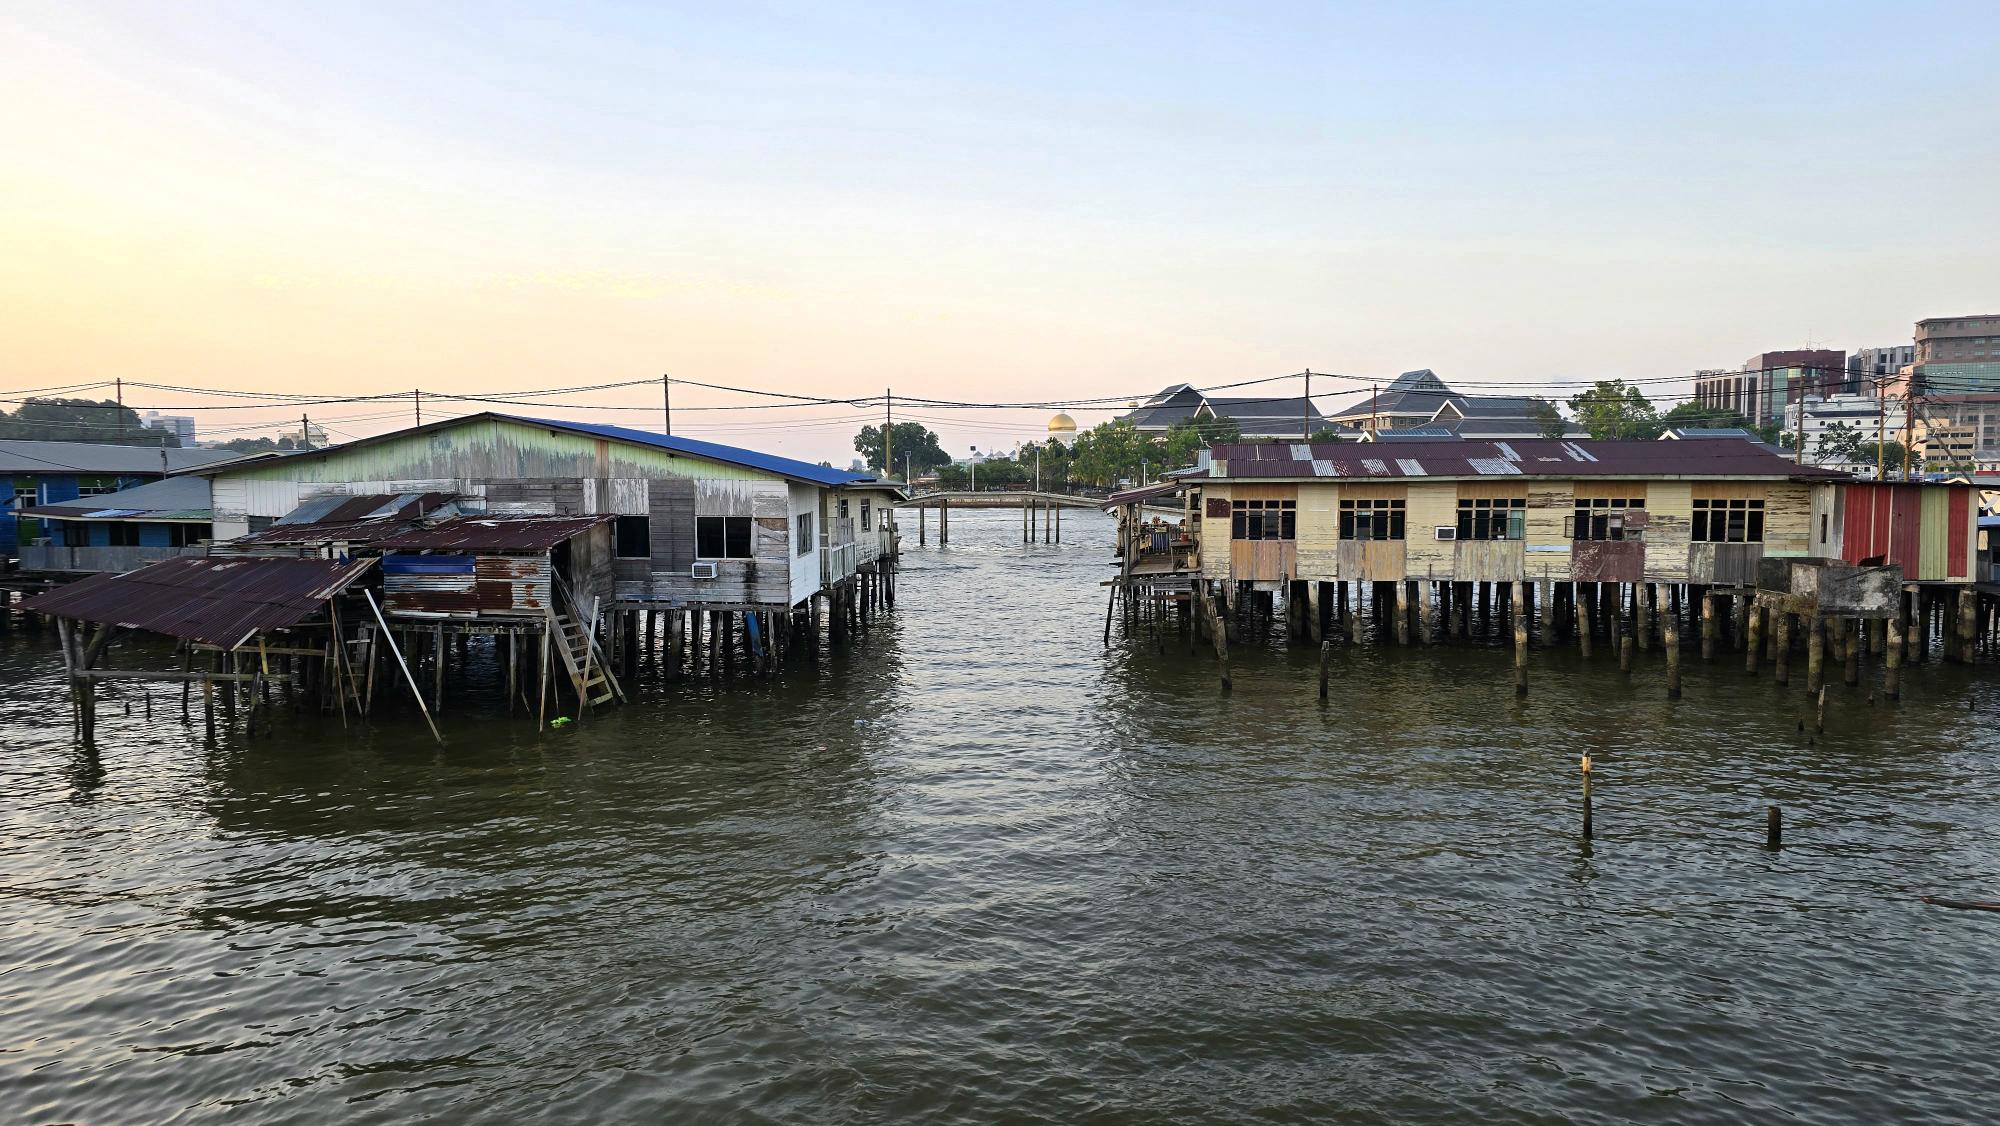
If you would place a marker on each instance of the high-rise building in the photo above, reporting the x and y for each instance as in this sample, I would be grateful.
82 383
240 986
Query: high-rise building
181 425
1957 355
1874 368
1769 384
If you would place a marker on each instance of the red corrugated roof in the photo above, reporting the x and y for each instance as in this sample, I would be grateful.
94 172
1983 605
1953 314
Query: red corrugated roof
217 601
1527 457
492 533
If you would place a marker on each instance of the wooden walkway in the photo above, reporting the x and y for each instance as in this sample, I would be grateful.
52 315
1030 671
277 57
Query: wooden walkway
999 499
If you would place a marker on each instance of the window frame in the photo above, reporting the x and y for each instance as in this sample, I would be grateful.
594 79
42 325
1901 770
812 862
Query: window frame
802 530
1592 517
1478 517
1388 516
1749 528
621 531
723 534
1269 519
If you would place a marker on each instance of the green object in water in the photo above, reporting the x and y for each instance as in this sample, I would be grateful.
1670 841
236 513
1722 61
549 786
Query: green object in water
561 721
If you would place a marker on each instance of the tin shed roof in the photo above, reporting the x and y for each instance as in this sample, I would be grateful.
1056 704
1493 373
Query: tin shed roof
169 499
1528 457
220 602
493 533
29 457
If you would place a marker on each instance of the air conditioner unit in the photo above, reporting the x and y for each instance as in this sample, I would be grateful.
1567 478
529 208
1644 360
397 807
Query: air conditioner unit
1447 532
702 571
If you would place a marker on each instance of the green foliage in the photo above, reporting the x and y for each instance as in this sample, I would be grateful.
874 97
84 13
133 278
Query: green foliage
1549 419
1326 434
81 420
1850 445
1111 451
1613 408
911 439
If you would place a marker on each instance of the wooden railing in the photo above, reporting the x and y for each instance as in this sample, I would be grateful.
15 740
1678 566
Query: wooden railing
92 560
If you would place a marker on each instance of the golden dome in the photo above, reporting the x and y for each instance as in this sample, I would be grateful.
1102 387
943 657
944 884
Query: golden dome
1062 424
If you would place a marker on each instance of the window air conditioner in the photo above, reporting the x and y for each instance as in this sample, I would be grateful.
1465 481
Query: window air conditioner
703 571
1447 531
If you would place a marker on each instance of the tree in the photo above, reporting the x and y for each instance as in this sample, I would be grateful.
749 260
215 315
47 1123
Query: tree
1615 409
1112 451
81 420
1326 435
1549 419
1841 444
911 439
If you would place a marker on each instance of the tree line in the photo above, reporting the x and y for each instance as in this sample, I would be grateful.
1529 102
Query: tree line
81 420
1103 456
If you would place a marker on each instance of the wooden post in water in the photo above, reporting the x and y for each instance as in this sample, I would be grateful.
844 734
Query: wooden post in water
921 524
1968 625
1584 768
1753 637
1221 631
1707 625
1584 625
1645 598
1892 657
1774 828
1781 648
1815 652
1741 604
1670 636
944 521
1520 638
1402 612
1424 611
1852 638
1325 653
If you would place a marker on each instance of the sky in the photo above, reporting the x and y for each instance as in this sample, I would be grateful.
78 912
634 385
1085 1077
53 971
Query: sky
1016 202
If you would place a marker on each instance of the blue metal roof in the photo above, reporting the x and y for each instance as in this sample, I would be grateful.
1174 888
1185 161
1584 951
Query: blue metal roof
736 455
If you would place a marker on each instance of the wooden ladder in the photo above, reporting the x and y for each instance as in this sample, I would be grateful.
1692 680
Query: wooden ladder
589 673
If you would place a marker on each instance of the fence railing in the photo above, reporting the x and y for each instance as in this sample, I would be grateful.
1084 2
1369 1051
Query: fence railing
91 560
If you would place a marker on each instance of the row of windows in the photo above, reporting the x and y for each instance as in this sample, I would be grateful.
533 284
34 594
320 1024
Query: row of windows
1605 519
1263 519
727 537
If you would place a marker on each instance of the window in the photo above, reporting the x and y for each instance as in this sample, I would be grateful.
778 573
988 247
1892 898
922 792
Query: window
26 496
1731 521
1499 518
1263 519
634 538
804 534
1603 518
95 490
124 535
722 537
1370 519
843 508
187 535
866 525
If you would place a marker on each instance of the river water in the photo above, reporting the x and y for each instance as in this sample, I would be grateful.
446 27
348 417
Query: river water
983 868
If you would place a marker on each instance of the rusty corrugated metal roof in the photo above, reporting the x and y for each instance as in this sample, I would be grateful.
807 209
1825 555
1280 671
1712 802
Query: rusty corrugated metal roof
217 601
493 533
1527 457
1148 492
357 519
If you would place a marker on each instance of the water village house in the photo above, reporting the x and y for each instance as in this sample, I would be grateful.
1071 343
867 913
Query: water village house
46 473
1589 532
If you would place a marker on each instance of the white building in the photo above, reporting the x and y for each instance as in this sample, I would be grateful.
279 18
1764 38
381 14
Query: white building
1862 412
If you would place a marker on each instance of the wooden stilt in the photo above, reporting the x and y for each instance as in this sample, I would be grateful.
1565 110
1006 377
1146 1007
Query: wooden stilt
1520 638
1670 638
1753 637
1815 653
1584 625
1892 657
1781 648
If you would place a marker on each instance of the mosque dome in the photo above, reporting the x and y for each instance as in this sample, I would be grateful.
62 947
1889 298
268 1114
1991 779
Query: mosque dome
1062 424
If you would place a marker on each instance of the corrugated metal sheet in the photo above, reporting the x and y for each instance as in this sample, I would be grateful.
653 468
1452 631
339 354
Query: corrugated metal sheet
466 585
216 601
1545 457
490 533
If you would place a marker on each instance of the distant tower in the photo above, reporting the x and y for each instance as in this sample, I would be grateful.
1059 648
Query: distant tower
1063 428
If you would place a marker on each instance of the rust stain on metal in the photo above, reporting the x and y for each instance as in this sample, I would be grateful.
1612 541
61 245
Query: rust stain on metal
220 602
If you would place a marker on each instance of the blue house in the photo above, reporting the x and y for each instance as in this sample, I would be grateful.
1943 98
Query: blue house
41 473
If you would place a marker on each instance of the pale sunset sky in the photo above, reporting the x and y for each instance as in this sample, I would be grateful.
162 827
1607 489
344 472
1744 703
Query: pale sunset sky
1012 202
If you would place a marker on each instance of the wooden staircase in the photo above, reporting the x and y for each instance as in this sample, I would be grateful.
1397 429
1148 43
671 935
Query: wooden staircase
576 644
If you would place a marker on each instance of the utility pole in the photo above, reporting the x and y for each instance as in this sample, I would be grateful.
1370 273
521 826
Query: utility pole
1909 425
1881 424
667 406
1374 397
888 432
305 433
417 396
1799 442
1306 414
